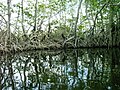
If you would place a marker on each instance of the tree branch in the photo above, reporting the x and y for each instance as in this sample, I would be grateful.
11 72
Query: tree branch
98 13
4 19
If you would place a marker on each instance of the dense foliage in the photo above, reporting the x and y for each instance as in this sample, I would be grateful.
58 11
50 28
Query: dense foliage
59 23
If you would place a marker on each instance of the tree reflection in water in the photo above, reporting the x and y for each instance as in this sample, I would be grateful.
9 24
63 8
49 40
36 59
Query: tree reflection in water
83 69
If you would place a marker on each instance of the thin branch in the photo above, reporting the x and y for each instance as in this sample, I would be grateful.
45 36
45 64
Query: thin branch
98 13
4 19
67 40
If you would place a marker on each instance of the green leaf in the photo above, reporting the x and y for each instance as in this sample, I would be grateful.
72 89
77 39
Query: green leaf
81 27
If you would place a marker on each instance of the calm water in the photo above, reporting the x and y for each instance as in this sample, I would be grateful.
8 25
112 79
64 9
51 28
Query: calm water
83 69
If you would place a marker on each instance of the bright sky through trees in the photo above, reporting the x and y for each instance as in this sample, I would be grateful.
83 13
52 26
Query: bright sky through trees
53 17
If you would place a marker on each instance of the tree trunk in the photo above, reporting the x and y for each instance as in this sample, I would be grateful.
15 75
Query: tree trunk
80 2
35 17
23 19
8 36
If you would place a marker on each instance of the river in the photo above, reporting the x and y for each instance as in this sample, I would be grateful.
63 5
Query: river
77 69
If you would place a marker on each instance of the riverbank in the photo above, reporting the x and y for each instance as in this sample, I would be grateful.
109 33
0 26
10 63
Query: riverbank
52 46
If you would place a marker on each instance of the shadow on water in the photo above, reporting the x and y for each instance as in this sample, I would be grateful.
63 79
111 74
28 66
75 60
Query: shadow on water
83 69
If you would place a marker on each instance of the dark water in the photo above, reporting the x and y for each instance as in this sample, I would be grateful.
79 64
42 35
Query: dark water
83 69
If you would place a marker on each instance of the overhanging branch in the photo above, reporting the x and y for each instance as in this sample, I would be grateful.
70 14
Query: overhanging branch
98 13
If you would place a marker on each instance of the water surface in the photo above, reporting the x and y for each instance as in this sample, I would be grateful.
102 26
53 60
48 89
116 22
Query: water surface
81 69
